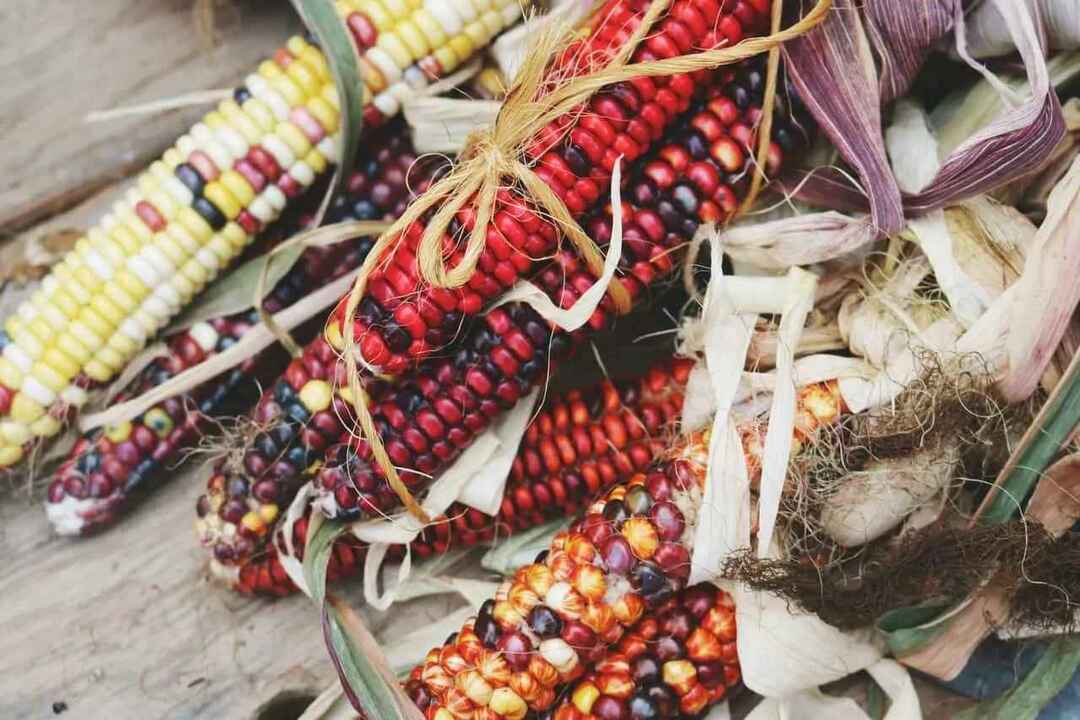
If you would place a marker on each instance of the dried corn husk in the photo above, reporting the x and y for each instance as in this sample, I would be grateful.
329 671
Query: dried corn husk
988 34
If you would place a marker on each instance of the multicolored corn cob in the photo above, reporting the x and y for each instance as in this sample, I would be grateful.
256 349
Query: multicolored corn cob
192 212
602 624
403 321
577 446
498 360
107 466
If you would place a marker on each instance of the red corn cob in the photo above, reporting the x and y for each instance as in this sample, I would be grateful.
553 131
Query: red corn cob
496 364
401 322
108 465
576 447
602 625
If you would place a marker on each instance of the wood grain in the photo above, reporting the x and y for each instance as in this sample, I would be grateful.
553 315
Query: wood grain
61 60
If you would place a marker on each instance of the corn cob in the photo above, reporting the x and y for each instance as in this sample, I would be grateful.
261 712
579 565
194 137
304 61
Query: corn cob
402 321
576 447
108 465
497 363
192 212
602 624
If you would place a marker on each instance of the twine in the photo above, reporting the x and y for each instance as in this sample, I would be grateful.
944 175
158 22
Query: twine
497 157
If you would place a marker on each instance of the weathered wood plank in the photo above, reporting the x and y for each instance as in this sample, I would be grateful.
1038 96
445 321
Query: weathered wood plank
61 60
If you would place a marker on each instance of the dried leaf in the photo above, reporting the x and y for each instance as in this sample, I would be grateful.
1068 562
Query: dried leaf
442 125
804 239
1047 293
903 34
30 257
833 70
912 147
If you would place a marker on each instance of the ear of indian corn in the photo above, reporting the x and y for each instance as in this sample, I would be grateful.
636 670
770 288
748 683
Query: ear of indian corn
602 624
402 320
577 446
432 413
194 210
108 466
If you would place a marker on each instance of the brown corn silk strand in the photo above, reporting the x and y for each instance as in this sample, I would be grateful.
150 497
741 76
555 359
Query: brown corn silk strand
494 158
578 445
562 637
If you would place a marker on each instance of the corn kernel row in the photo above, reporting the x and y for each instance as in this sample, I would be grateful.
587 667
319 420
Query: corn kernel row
578 445
496 363
602 624
405 320
194 210
108 466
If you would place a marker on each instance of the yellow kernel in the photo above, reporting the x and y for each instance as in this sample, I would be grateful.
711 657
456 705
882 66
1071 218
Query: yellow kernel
270 69
306 78
182 238
268 513
123 344
130 284
252 522
584 696
14 433
324 113
118 433
463 47
10 376
216 193
235 235
508 704
10 455
446 57
316 395
329 94
96 323
172 158
239 186
41 329
316 61
289 90
18 333
195 271
73 349
68 305
410 36
112 359
194 223
260 113
316 160
126 239
396 49
430 27
50 377
88 278
59 361
294 138
45 426
121 298
333 336
26 410
214 119
239 121
397 8
373 79
135 224
98 371
376 14
170 249
221 247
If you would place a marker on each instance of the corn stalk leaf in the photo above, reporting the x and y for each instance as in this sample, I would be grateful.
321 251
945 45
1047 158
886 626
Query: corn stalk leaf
364 672
362 668
908 628
322 19
1050 431
1048 678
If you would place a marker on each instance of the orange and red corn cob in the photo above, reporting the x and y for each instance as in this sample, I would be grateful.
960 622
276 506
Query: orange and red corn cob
433 413
577 446
403 321
108 465
602 624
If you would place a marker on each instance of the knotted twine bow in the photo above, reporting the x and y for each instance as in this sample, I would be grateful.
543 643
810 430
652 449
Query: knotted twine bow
497 158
